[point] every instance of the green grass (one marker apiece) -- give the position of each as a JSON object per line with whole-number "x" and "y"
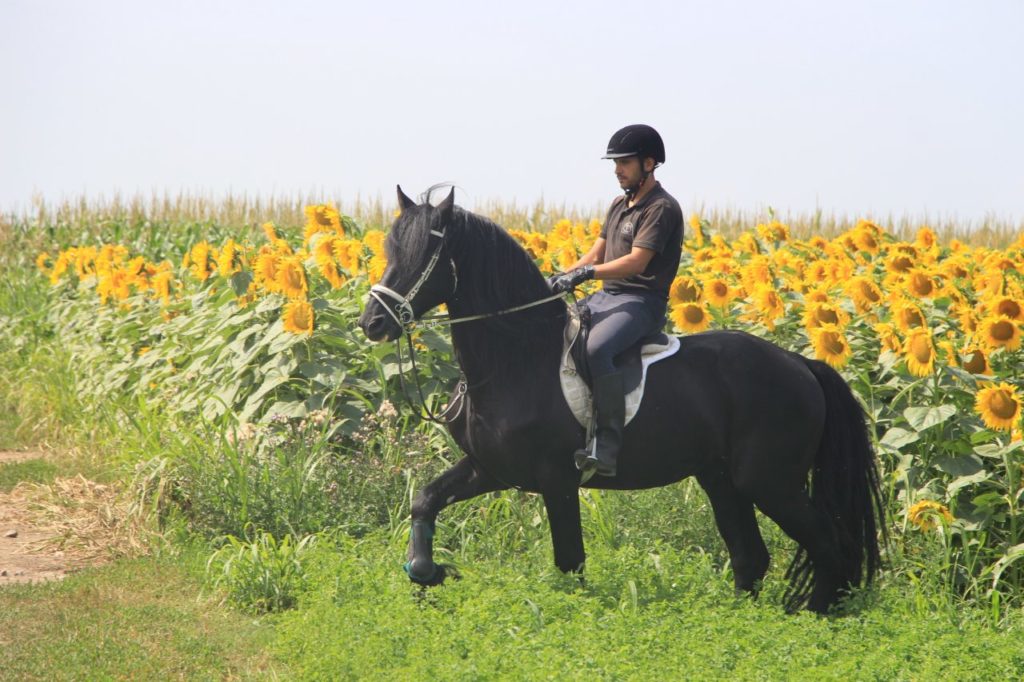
{"x": 645, "y": 613}
{"x": 136, "y": 619}
{"x": 33, "y": 471}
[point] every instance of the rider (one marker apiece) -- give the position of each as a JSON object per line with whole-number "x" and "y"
{"x": 637, "y": 255}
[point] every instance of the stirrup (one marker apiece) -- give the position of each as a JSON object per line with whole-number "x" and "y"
{"x": 586, "y": 461}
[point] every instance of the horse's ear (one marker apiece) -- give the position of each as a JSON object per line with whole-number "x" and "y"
{"x": 404, "y": 202}
{"x": 448, "y": 204}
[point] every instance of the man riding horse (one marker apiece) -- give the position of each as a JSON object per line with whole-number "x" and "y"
{"x": 637, "y": 254}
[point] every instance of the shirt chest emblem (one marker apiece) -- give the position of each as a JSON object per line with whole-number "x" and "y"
{"x": 627, "y": 228}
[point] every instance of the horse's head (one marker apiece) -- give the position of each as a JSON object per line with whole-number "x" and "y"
{"x": 420, "y": 274}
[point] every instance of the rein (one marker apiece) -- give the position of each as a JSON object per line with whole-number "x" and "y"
{"x": 403, "y": 314}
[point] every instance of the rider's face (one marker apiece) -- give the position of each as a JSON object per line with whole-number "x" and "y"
{"x": 628, "y": 171}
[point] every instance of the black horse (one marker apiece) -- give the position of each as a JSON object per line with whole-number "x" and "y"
{"x": 756, "y": 424}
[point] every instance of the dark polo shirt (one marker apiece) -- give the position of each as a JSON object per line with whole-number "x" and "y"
{"x": 656, "y": 223}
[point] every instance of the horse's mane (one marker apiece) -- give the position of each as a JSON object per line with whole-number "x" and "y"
{"x": 494, "y": 273}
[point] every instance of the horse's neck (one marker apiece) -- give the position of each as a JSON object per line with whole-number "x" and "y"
{"x": 495, "y": 365}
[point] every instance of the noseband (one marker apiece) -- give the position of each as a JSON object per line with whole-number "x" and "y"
{"x": 402, "y": 312}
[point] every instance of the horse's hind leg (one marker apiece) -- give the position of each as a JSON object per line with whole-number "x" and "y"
{"x": 734, "y": 515}
{"x": 810, "y": 528}
{"x": 463, "y": 481}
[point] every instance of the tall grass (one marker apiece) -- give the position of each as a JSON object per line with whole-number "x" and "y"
{"x": 147, "y": 221}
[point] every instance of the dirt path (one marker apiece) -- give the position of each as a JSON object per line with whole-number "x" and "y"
{"x": 50, "y": 530}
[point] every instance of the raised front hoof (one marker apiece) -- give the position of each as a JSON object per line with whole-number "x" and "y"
{"x": 430, "y": 576}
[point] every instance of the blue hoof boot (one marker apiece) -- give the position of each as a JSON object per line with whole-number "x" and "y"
{"x": 434, "y": 576}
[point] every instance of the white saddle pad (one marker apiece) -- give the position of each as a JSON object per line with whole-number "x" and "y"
{"x": 577, "y": 393}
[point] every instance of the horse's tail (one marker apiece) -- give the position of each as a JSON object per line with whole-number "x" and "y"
{"x": 844, "y": 487}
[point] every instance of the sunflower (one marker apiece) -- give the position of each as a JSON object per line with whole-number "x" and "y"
{"x": 920, "y": 283}
{"x": 265, "y": 270}
{"x": 717, "y": 292}
{"x": 756, "y": 272}
{"x": 1000, "y": 332}
{"x": 925, "y": 514}
{"x": 1007, "y": 306}
{"x": 291, "y": 277}
{"x": 697, "y": 229}
{"x": 322, "y": 218}
{"x": 966, "y": 317}
{"x": 162, "y": 286}
{"x": 376, "y": 268}
{"x": 270, "y": 232}
{"x": 691, "y": 317}
{"x": 348, "y": 253}
{"x": 298, "y": 317}
{"x": 60, "y": 266}
{"x": 229, "y": 260}
{"x": 374, "y": 240}
{"x": 201, "y": 257}
{"x": 684, "y": 290}
{"x": 773, "y": 232}
{"x": 324, "y": 247}
{"x": 816, "y": 273}
{"x": 866, "y": 240}
{"x": 907, "y": 316}
{"x": 899, "y": 263}
{"x": 566, "y": 256}
{"x": 888, "y": 337}
{"x": 974, "y": 360}
{"x": 768, "y": 302}
{"x": 332, "y": 273}
{"x": 919, "y": 352}
{"x": 864, "y": 292}
{"x": 831, "y": 345}
{"x": 821, "y": 314}
{"x": 998, "y": 406}
{"x": 926, "y": 238}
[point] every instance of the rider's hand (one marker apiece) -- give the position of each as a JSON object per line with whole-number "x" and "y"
{"x": 570, "y": 280}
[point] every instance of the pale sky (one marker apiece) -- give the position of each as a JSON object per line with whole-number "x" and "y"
{"x": 863, "y": 108}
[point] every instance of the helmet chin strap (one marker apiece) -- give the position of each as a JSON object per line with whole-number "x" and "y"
{"x": 631, "y": 191}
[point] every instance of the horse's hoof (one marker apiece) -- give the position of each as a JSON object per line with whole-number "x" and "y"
{"x": 430, "y": 577}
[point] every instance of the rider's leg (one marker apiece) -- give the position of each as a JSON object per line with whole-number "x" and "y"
{"x": 619, "y": 321}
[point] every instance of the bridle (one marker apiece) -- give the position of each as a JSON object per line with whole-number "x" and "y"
{"x": 401, "y": 311}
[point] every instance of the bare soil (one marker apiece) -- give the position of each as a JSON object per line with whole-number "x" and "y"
{"x": 50, "y": 530}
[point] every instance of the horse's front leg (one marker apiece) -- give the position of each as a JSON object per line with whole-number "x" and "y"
{"x": 563, "y": 506}
{"x": 461, "y": 482}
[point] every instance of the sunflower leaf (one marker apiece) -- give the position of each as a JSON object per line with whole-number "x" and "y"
{"x": 921, "y": 418}
{"x": 960, "y": 466}
{"x": 964, "y": 481}
{"x": 895, "y": 438}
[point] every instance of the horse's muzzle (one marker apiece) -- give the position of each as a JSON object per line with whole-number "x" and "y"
{"x": 378, "y": 325}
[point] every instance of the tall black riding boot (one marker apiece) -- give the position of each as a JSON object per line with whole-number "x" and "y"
{"x": 602, "y": 453}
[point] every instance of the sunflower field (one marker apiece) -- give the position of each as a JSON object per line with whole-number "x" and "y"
{"x": 259, "y": 328}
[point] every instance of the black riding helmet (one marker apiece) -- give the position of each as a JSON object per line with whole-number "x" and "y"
{"x": 636, "y": 140}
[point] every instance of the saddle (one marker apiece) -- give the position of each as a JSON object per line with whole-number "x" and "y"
{"x": 633, "y": 362}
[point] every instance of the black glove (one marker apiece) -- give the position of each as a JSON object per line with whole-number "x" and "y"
{"x": 568, "y": 281}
